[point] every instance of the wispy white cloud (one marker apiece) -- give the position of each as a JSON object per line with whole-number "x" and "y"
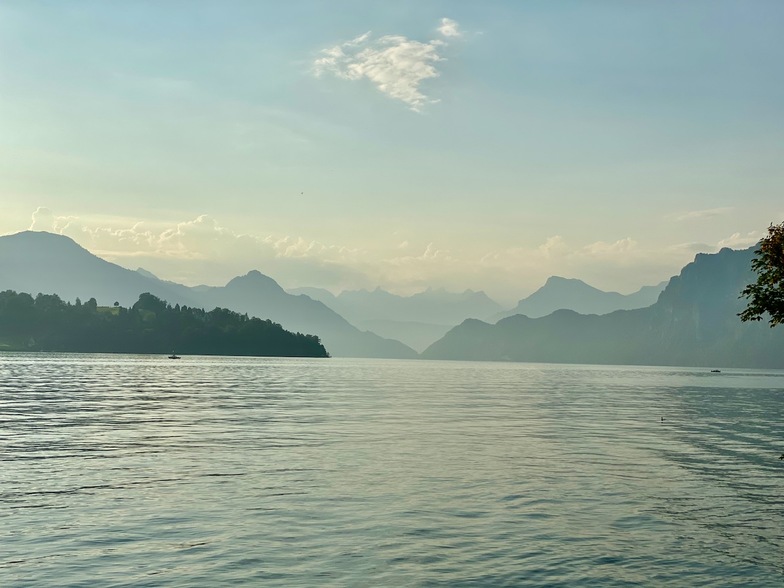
{"x": 431, "y": 254}
{"x": 395, "y": 64}
{"x": 188, "y": 251}
{"x": 604, "y": 264}
{"x": 620, "y": 249}
{"x": 43, "y": 219}
{"x": 298, "y": 247}
{"x": 556, "y": 252}
{"x": 691, "y": 247}
{"x": 706, "y": 213}
{"x": 409, "y": 273}
{"x": 740, "y": 241}
{"x": 449, "y": 28}
{"x": 553, "y": 247}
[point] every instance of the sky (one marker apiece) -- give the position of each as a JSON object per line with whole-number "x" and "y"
{"x": 403, "y": 145}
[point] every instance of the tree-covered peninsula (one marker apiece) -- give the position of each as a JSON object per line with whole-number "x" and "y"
{"x": 47, "y": 323}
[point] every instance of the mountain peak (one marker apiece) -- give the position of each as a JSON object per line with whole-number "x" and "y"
{"x": 34, "y": 262}
{"x": 565, "y": 284}
{"x": 572, "y": 293}
{"x": 40, "y": 261}
{"x": 693, "y": 323}
{"x": 43, "y": 238}
{"x": 255, "y": 279}
{"x": 561, "y": 280}
{"x": 146, "y": 273}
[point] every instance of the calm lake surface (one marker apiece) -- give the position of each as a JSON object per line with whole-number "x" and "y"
{"x": 141, "y": 471}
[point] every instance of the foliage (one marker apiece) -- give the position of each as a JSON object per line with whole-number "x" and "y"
{"x": 766, "y": 295}
{"x": 150, "y": 326}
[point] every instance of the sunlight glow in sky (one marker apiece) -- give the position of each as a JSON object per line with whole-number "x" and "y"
{"x": 347, "y": 144}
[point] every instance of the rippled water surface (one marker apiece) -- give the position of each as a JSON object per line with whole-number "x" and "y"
{"x": 140, "y": 471}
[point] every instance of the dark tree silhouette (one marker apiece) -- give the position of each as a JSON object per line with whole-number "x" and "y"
{"x": 150, "y": 326}
{"x": 766, "y": 295}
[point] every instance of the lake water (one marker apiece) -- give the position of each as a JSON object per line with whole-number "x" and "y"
{"x": 140, "y": 471}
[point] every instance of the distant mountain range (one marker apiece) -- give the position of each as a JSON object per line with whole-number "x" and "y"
{"x": 36, "y": 262}
{"x": 694, "y": 322}
{"x": 422, "y": 319}
{"x": 572, "y": 294}
{"x": 416, "y": 320}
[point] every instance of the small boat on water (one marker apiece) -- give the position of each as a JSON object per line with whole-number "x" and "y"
{"x": 174, "y": 356}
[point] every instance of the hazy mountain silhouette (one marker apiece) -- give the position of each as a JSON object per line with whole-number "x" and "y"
{"x": 418, "y": 336}
{"x": 36, "y": 262}
{"x": 146, "y": 274}
{"x": 319, "y": 294}
{"x": 256, "y": 293}
{"x": 694, "y": 322}
{"x": 572, "y": 294}
{"x": 417, "y": 320}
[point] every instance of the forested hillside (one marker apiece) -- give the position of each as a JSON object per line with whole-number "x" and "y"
{"x": 47, "y": 323}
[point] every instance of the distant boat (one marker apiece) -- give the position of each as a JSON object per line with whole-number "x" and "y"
{"x": 174, "y": 356}
{"x": 715, "y": 371}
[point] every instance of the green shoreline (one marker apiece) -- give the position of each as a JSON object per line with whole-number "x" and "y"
{"x": 150, "y": 327}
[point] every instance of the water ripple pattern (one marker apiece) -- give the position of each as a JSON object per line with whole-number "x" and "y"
{"x": 140, "y": 471}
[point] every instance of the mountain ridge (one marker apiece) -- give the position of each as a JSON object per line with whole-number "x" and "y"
{"x": 694, "y": 322}
{"x": 575, "y": 294}
{"x": 418, "y": 320}
{"x": 35, "y": 262}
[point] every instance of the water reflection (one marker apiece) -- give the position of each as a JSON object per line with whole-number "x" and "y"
{"x": 220, "y": 471}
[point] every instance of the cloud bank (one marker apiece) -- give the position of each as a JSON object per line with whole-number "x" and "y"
{"x": 395, "y": 64}
{"x": 202, "y": 250}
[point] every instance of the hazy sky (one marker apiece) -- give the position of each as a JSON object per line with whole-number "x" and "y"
{"x": 405, "y": 144}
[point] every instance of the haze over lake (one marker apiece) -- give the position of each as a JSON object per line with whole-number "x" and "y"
{"x": 139, "y": 471}
{"x": 462, "y": 204}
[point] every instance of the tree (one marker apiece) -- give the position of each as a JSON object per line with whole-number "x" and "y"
{"x": 766, "y": 295}
{"x": 150, "y": 302}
